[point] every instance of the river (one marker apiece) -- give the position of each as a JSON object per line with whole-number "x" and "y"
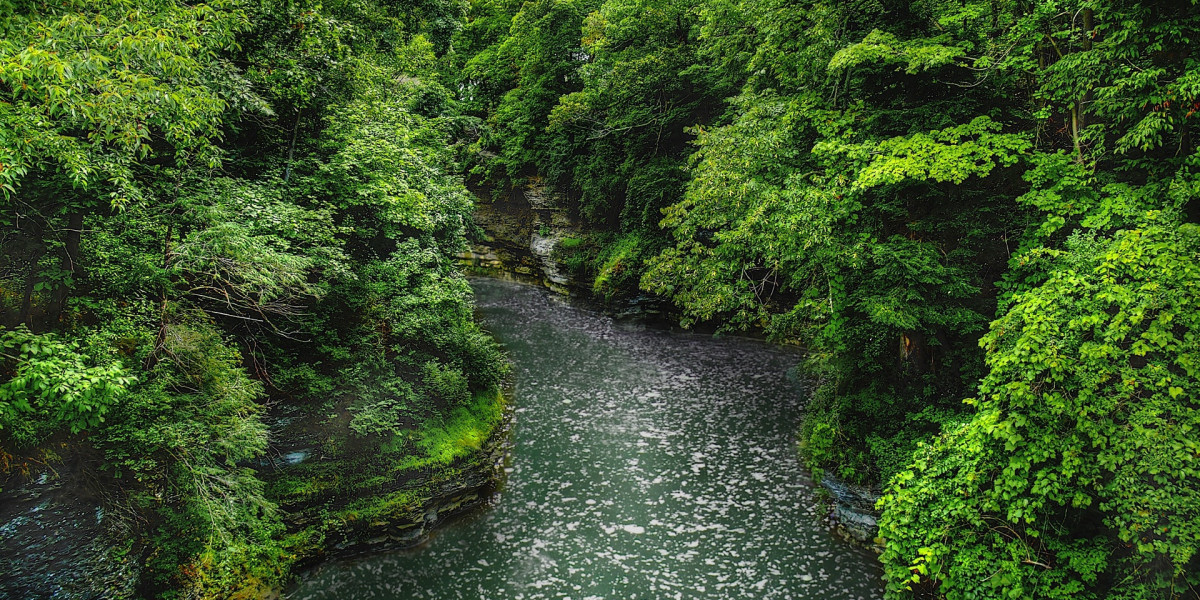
{"x": 647, "y": 464}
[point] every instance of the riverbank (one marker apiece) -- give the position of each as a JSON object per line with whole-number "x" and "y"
{"x": 69, "y": 533}
{"x": 342, "y": 498}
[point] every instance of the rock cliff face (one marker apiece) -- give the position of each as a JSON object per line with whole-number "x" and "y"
{"x": 853, "y": 514}
{"x": 523, "y": 227}
{"x": 360, "y": 501}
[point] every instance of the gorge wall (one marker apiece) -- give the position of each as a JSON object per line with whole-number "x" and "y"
{"x": 523, "y": 227}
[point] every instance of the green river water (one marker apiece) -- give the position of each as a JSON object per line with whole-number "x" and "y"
{"x": 647, "y": 464}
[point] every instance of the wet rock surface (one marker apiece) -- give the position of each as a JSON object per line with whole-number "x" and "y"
{"x": 853, "y": 510}
{"x": 523, "y": 228}
{"x": 470, "y": 487}
{"x": 396, "y": 510}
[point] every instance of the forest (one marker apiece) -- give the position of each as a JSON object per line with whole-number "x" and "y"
{"x": 979, "y": 219}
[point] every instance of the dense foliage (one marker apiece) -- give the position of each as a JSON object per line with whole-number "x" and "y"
{"x": 878, "y": 181}
{"x": 215, "y": 211}
{"x": 1075, "y": 478}
{"x": 210, "y": 205}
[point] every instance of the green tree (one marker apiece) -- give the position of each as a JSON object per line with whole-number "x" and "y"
{"x": 92, "y": 88}
{"x": 266, "y": 198}
{"x": 1079, "y": 474}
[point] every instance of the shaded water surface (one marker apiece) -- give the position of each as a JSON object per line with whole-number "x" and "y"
{"x": 647, "y": 464}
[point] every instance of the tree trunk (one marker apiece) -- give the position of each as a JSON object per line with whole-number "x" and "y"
{"x": 70, "y": 264}
{"x": 163, "y": 300}
{"x": 287, "y": 169}
{"x": 914, "y": 348}
{"x": 31, "y": 277}
{"x": 1079, "y": 112}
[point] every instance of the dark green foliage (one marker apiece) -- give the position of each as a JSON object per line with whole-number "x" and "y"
{"x": 540, "y": 56}
{"x": 596, "y": 99}
{"x": 413, "y": 350}
{"x": 179, "y": 442}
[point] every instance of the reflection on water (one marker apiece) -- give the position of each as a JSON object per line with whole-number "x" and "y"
{"x": 647, "y": 464}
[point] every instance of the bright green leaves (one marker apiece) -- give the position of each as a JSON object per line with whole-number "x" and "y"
{"x": 950, "y": 155}
{"x": 740, "y": 220}
{"x": 50, "y": 383}
{"x": 914, "y": 56}
{"x": 1061, "y": 187}
{"x": 393, "y": 163}
{"x": 88, "y": 91}
{"x": 1083, "y": 449}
